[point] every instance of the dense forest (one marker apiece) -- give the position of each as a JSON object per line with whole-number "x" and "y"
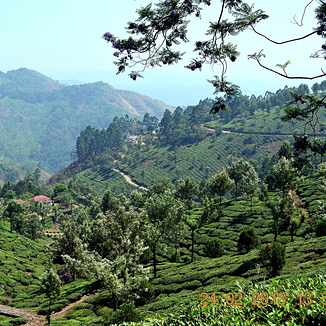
{"x": 222, "y": 210}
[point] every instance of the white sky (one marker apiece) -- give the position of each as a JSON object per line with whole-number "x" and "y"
{"x": 62, "y": 39}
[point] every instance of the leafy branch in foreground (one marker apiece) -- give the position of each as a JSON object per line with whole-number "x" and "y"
{"x": 161, "y": 27}
{"x": 308, "y": 108}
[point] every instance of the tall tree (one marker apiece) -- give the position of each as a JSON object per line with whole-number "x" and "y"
{"x": 186, "y": 190}
{"x": 13, "y": 213}
{"x": 51, "y": 287}
{"x": 165, "y": 215}
{"x": 282, "y": 210}
{"x": 285, "y": 175}
{"x": 166, "y": 126}
{"x": 285, "y": 150}
{"x": 249, "y": 184}
{"x": 32, "y": 226}
{"x": 237, "y": 171}
{"x": 195, "y": 223}
{"x": 114, "y": 258}
{"x": 220, "y": 183}
{"x": 315, "y": 88}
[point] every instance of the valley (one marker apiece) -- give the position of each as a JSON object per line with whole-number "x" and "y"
{"x": 162, "y": 221}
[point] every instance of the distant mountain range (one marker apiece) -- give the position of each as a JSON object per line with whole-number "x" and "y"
{"x": 70, "y": 82}
{"x": 40, "y": 118}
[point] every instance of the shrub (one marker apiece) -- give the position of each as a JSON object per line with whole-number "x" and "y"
{"x": 176, "y": 257}
{"x": 19, "y": 321}
{"x": 82, "y": 313}
{"x": 321, "y": 228}
{"x": 214, "y": 248}
{"x": 4, "y": 300}
{"x": 248, "y": 239}
{"x": 126, "y": 313}
{"x": 273, "y": 256}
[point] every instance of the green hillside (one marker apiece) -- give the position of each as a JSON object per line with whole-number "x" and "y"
{"x": 199, "y": 160}
{"x": 41, "y": 119}
{"x": 206, "y": 241}
{"x": 12, "y": 171}
{"x": 184, "y": 284}
{"x": 194, "y": 143}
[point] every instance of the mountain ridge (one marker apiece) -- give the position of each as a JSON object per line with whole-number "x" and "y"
{"x": 41, "y": 118}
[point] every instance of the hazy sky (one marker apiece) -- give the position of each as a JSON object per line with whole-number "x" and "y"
{"x": 62, "y": 39}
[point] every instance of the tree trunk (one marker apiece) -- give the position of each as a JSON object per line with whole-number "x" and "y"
{"x": 292, "y": 232}
{"x": 192, "y": 244}
{"x": 48, "y": 315}
{"x": 115, "y": 299}
{"x": 275, "y": 229}
{"x": 154, "y": 260}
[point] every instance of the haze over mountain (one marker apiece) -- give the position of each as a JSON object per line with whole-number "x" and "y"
{"x": 40, "y": 118}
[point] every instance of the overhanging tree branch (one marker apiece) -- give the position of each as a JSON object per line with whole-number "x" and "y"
{"x": 283, "y": 42}
{"x": 290, "y": 77}
{"x": 164, "y": 25}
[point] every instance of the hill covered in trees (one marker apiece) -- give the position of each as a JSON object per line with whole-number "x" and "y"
{"x": 188, "y": 142}
{"x": 41, "y": 118}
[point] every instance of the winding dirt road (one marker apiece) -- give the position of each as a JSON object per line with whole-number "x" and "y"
{"x": 129, "y": 180}
{"x": 33, "y": 318}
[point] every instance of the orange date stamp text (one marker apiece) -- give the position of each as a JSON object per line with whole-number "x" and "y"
{"x": 263, "y": 298}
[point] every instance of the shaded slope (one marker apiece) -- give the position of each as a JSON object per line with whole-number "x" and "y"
{"x": 40, "y": 118}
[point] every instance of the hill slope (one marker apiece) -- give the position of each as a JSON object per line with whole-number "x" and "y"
{"x": 40, "y": 118}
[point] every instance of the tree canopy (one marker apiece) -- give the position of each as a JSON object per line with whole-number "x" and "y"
{"x": 161, "y": 27}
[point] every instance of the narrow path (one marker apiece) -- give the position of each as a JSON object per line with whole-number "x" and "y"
{"x": 37, "y": 320}
{"x": 33, "y": 318}
{"x": 129, "y": 180}
{"x": 226, "y": 131}
{"x": 61, "y": 313}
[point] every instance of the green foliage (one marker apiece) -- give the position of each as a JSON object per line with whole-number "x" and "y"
{"x": 321, "y": 228}
{"x": 214, "y": 248}
{"x": 248, "y": 239}
{"x": 285, "y": 175}
{"x": 220, "y": 184}
{"x": 109, "y": 203}
{"x": 186, "y": 191}
{"x": 286, "y": 308}
{"x": 307, "y": 108}
{"x": 273, "y": 256}
{"x": 126, "y": 313}
{"x": 51, "y": 287}
{"x": 237, "y": 171}
{"x": 110, "y": 252}
{"x": 102, "y": 178}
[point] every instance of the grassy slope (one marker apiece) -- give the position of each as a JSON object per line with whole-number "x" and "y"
{"x": 205, "y": 158}
{"x": 102, "y": 178}
{"x": 23, "y": 261}
{"x": 200, "y": 160}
